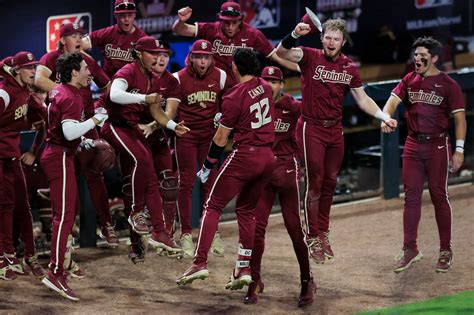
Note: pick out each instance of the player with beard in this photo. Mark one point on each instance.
(430, 97)
(132, 93)
(327, 75)
(226, 35)
(47, 79)
(115, 42)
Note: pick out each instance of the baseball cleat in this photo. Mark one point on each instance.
(326, 245)
(316, 250)
(217, 246)
(187, 245)
(5, 272)
(406, 258)
(308, 289)
(162, 240)
(136, 253)
(75, 271)
(138, 223)
(59, 284)
(107, 233)
(32, 265)
(196, 271)
(255, 288)
(445, 261)
(15, 265)
(237, 282)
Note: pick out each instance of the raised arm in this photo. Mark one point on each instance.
(293, 66)
(368, 105)
(286, 49)
(180, 27)
(42, 80)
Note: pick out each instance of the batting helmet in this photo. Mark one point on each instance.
(104, 158)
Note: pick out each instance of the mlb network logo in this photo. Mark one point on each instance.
(53, 25)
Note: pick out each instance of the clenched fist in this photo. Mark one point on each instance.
(184, 14)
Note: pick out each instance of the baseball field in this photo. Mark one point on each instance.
(366, 237)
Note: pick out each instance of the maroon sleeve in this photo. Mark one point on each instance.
(261, 44)
(356, 82)
(99, 76)
(173, 90)
(455, 97)
(230, 110)
(205, 30)
(48, 61)
(305, 59)
(401, 89)
(126, 73)
(296, 108)
(97, 37)
(36, 111)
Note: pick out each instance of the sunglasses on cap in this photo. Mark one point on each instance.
(125, 6)
(229, 13)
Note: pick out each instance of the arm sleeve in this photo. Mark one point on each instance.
(119, 94)
(73, 129)
(4, 100)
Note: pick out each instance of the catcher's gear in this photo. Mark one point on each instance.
(168, 186)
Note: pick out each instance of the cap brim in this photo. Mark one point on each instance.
(31, 63)
(229, 18)
(80, 31)
(272, 78)
(202, 52)
(125, 11)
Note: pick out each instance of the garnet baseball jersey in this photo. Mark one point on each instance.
(247, 108)
(13, 115)
(116, 46)
(324, 83)
(137, 82)
(200, 99)
(429, 101)
(98, 75)
(286, 114)
(66, 105)
(224, 47)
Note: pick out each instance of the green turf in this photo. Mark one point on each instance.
(462, 303)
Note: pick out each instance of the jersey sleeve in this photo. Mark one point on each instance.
(96, 38)
(125, 74)
(400, 91)
(48, 61)
(205, 30)
(3, 105)
(36, 111)
(262, 44)
(173, 91)
(455, 98)
(230, 110)
(356, 82)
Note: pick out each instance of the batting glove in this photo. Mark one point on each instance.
(203, 174)
(101, 118)
(86, 144)
(217, 119)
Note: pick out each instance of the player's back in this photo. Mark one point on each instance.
(248, 109)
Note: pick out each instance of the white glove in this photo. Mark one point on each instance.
(100, 110)
(203, 174)
(217, 119)
(101, 118)
(86, 144)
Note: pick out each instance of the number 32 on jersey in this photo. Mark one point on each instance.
(261, 109)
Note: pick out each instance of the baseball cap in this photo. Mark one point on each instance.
(124, 6)
(7, 61)
(273, 73)
(70, 29)
(148, 43)
(230, 11)
(202, 46)
(23, 59)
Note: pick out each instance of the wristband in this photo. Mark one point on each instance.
(171, 125)
(381, 115)
(294, 35)
(459, 149)
(289, 41)
(215, 153)
(460, 143)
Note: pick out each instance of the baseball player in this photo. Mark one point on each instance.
(22, 219)
(115, 42)
(14, 94)
(129, 97)
(226, 35)
(202, 85)
(66, 125)
(327, 75)
(47, 78)
(247, 110)
(430, 97)
(285, 183)
(169, 90)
